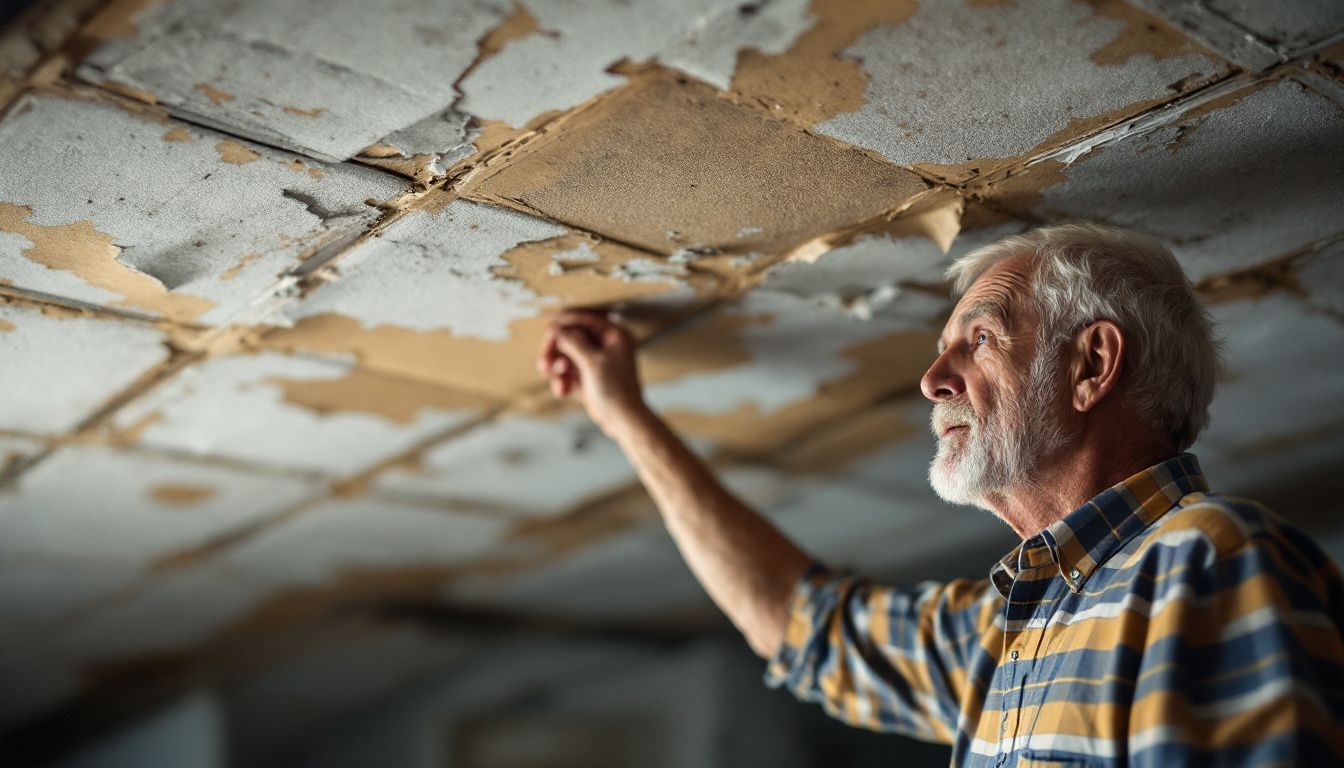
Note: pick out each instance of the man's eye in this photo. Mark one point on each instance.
(981, 338)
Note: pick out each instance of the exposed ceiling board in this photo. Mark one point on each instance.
(291, 411)
(457, 295)
(161, 218)
(1208, 183)
(568, 59)
(755, 373)
(343, 538)
(324, 78)
(131, 507)
(728, 178)
(937, 96)
(444, 278)
(60, 366)
(565, 459)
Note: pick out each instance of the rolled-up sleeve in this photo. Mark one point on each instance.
(878, 657)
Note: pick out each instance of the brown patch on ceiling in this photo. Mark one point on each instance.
(181, 495)
(1254, 282)
(238, 154)
(581, 282)
(1144, 35)
(395, 399)
(728, 178)
(236, 269)
(314, 112)
(116, 21)
(130, 92)
(6, 326)
(713, 343)
(215, 95)
(885, 365)
(178, 134)
(489, 368)
(1019, 192)
(79, 248)
(810, 83)
(518, 25)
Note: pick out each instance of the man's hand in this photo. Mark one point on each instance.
(586, 354)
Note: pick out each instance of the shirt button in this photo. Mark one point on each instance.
(1013, 655)
(1075, 573)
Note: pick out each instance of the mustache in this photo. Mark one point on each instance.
(949, 413)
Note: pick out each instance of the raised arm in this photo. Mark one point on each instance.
(748, 567)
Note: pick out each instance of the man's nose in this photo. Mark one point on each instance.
(940, 382)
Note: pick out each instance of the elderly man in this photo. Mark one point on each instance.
(1142, 621)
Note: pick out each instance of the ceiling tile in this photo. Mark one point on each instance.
(327, 78)
(1208, 183)
(729, 178)
(963, 81)
(211, 228)
(531, 464)
(128, 507)
(343, 538)
(456, 295)
(62, 365)
(290, 411)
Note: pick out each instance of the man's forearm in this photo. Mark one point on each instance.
(744, 562)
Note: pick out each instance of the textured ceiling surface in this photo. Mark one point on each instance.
(272, 275)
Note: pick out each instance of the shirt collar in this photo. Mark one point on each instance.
(1087, 537)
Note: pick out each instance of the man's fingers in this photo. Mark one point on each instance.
(547, 354)
(576, 345)
(594, 322)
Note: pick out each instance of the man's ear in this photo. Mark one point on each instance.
(1099, 354)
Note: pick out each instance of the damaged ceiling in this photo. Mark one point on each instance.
(272, 276)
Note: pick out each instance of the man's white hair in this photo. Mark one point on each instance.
(1082, 273)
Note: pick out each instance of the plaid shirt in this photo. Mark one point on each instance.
(1157, 624)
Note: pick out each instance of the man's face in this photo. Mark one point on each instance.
(995, 399)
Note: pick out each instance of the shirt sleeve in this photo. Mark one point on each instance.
(1244, 663)
(881, 658)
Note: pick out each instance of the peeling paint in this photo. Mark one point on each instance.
(91, 255)
(793, 366)
(930, 98)
(569, 59)
(58, 370)
(1198, 184)
(719, 167)
(464, 307)
(291, 412)
(354, 72)
(181, 494)
(121, 242)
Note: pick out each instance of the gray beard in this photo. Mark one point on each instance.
(1004, 450)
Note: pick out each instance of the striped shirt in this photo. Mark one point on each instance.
(1157, 624)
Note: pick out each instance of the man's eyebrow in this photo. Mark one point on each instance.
(992, 309)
